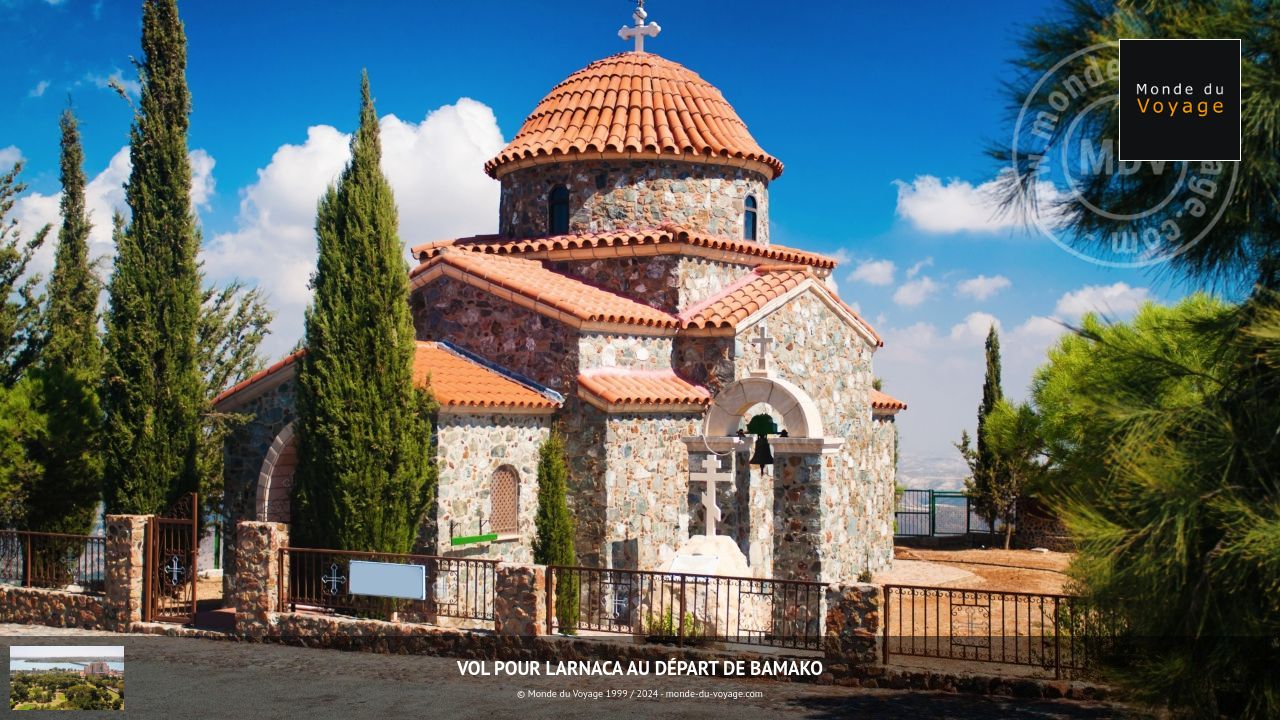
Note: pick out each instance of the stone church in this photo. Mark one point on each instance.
(633, 299)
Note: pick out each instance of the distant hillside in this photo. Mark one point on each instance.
(932, 473)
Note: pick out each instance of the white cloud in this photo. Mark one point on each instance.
(983, 287)
(1107, 300)
(974, 327)
(915, 269)
(104, 195)
(915, 292)
(8, 157)
(435, 168)
(874, 272)
(955, 205)
(38, 90)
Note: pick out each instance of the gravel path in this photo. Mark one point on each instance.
(187, 678)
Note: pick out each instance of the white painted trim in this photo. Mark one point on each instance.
(262, 499)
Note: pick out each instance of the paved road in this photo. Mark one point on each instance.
(186, 678)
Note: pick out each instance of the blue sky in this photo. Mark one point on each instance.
(881, 113)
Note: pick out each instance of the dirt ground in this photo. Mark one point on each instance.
(981, 569)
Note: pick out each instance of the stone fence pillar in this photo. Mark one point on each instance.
(256, 592)
(520, 599)
(853, 624)
(125, 547)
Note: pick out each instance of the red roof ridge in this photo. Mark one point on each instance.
(881, 400)
(263, 374)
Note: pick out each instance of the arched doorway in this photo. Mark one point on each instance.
(275, 479)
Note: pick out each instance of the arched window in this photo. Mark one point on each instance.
(749, 218)
(504, 497)
(558, 211)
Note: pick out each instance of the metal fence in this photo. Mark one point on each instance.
(927, 513)
(53, 560)
(1052, 632)
(319, 580)
(688, 609)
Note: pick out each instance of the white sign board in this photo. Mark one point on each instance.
(695, 564)
(394, 580)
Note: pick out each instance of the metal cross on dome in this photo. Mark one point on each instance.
(333, 579)
(174, 571)
(641, 30)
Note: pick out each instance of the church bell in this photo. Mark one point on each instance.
(762, 455)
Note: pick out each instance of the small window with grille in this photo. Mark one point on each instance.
(504, 512)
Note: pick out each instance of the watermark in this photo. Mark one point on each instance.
(1065, 142)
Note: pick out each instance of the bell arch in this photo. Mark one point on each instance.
(800, 415)
(275, 478)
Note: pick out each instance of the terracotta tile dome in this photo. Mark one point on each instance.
(634, 105)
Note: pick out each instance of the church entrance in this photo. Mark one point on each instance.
(275, 479)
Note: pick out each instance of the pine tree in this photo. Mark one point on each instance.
(984, 483)
(152, 390)
(65, 492)
(365, 477)
(553, 542)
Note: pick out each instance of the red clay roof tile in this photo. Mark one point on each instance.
(616, 388)
(670, 239)
(634, 103)
(885, 401)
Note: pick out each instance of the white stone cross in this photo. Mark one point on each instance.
(711, 477)
(641, 30)
(333, 579)
(763, 344)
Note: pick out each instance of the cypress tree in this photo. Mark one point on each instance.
(64, 495)
(152, 390)
(553, 542)
(985, 464)
(365, 477)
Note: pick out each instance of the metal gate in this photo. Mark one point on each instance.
(169, 585)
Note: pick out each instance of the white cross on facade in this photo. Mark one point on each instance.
(641, 30)
(174, 570)
(711, 477)
(764, 344)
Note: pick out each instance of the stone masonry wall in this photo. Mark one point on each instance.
(635, 352)
(55, 608)
(124, 548)
(652, 280)
(520, 600)
(257, 591)
(700, 278)
(243, 452)
(853, 624)
(817, 351)
(471, 449)
(608, 195)
(646, 483)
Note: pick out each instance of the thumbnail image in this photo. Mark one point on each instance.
(66, 677)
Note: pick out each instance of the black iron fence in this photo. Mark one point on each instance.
(688, 609)
(319, 580)
(927, 513)
(1057, 633)
(53, 560)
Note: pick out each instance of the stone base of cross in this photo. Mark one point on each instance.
(699, 471)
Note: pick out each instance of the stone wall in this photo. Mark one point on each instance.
(646, 483)
(245, 448)
(652, 280)
(55, 608)
(706, 361)
(700, 278)
(520, 340)
(257, 590)
(634, 352)
(857, 492)
(124, 549)
(1038, 531)
(608, 195)
(853, 624)
(471, 449)
(520, 600)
